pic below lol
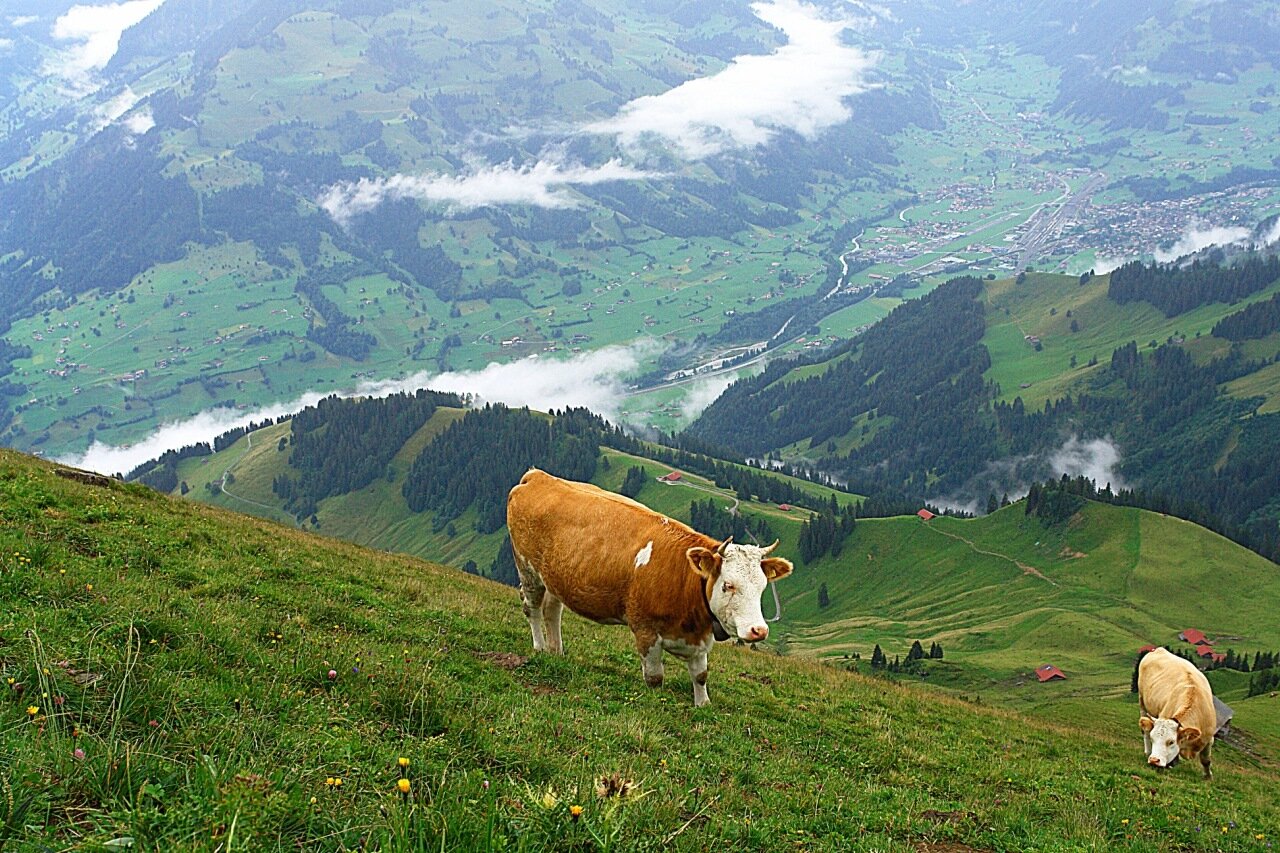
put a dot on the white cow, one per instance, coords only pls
(1178, 716)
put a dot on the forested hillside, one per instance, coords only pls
(911, 405)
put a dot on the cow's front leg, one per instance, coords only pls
(1204, 762)
(1146, 744)
(649, 645)
(698, 675)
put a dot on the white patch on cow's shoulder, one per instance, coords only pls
(643, 555)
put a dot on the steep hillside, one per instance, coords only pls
(1005, 593)
(166, 679)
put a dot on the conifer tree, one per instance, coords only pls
(877, 657)
(824, 598)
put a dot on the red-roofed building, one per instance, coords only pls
(1147, 648)
(785, 507)
(1049, 672)
(925, 514)
(1204, 650)
(1194, 637)
(1219, 657)
(673, 477)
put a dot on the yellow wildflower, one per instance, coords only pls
(575, 812)
(32, 710)
(403, 785)
(402, 761)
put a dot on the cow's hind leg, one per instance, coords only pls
(649, 645)
(552, 607)
(533, 593)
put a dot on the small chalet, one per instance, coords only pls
(1204, 650)
(1219, 657)
(925, 514)
(1194, 637)
(785, 507)
(1147, 648)
(1049, 672)
(673, 477)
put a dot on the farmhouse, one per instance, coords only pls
(1147, 648)
(925, 514)
(1204, 650)
(1049, 672)
(1194, 637)
(673, 477)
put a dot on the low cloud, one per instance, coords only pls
(112, 109)
(23, 20)
(1102, 266)
(543, 184)
(6, 45)
(703, 393)
(93, 34)
(1272, 236)
(1097, 459)
(594, 380)
(800, 87)
(1198, 237)
(206, 426)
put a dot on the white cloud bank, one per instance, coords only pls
(544, 184)
(800, 87)
(1096, 459)
(1197, 237)
(593, 380)
(94, 35)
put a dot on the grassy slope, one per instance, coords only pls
(1113, 579)
(1015, 310)
(213, 723)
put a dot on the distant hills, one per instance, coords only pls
(969, 392)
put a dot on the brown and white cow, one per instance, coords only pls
(617, 562)
(1178, 716)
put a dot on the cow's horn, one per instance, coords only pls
(768, 550)
(723, 545)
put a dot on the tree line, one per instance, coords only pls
(1178, 289)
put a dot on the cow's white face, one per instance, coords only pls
(1167, 739)
(737, 576)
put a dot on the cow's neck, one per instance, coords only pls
(717, 630)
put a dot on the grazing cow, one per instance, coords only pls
(1178, 716)
(618, 562)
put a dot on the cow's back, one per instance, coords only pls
(1167, 684)
(588, 545)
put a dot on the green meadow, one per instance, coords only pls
(177, 677)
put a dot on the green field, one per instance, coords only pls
(1046, 306)
(165, 679)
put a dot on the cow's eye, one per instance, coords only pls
(728, 587)
(1168, 743)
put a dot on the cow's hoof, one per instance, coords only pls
(653, 680)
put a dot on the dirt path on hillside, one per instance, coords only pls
(1026, 570)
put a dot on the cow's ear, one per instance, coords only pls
(1188, 734)
(776, 568)
(704, 561)
(1146, 723)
